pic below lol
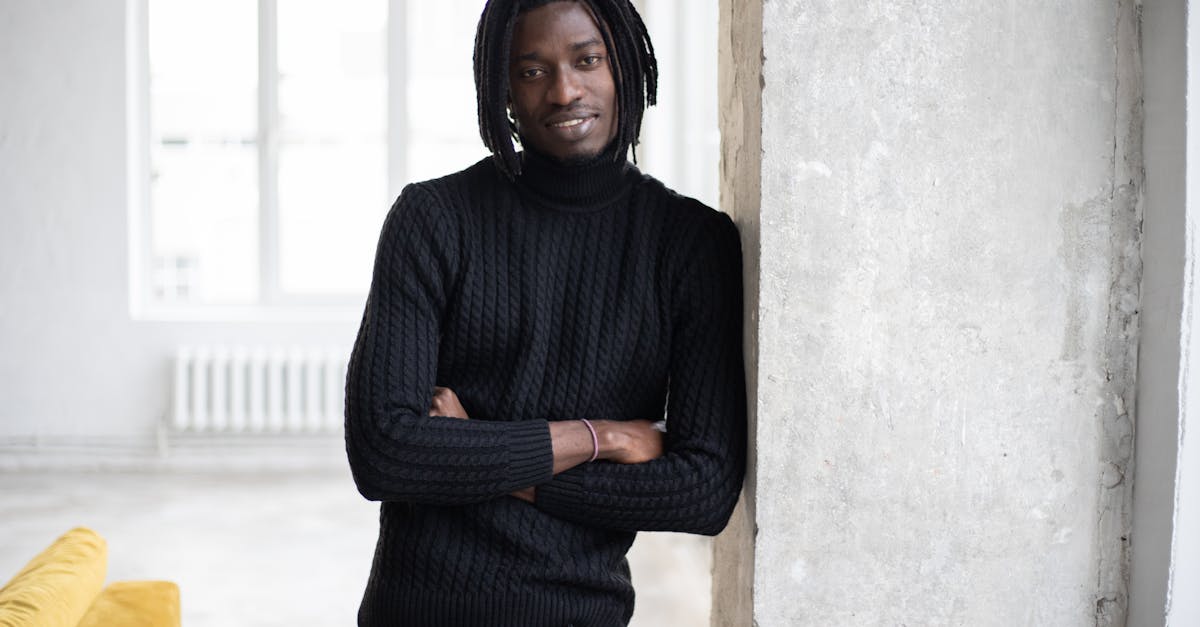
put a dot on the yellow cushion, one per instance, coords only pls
(135, 604)
(56, 587)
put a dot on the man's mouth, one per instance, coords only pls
(569, 123)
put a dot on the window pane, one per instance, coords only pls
(443, 130)
(681, 140)
(333, 143)
(204, 173)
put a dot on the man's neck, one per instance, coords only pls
(584, 184)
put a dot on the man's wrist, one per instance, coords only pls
(611, 438)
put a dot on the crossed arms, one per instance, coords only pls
(623, 442)
(406, 443)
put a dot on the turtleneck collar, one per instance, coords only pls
(592, 185)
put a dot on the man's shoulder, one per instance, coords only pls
(450, 197)
(681, 208)
(479, 176)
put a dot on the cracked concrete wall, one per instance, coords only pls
(947, 258)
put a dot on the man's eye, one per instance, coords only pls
(591, 59)
(530, 72)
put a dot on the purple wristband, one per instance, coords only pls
(595, 440)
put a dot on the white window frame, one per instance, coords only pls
(273, 302)
(660, 137)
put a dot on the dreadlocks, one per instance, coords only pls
(634, 68)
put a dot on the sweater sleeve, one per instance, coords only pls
(694, 486)
(396, 450)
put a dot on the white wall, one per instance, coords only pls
(1184, 603)
(1166, 542)
(74, 365)
(1164, 253)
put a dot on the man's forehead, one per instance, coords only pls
(563, 23)
(532, 55)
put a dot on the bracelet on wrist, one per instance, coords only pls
(595, 440)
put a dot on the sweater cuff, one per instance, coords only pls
(530, 453)
(562, 493)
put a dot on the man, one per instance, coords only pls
(529, 319)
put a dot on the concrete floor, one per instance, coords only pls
(260, 549)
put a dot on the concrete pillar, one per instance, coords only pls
(940, 206)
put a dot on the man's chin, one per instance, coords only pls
(577, 156)
(581, 158)
(582, 153)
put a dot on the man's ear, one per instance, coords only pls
(512, 119)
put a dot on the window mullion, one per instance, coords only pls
(268, 152)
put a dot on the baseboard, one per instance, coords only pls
(185, 452)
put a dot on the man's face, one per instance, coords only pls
(561, 82)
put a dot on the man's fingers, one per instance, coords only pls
(444, 394)
(437, 403)
(446, 403)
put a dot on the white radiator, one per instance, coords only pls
(239, 389)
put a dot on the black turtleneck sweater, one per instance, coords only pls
(588, 291)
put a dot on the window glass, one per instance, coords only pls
(681, 141)
(203, 153)
(443, 131)
(325, 157)
(332, 143)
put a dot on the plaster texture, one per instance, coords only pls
(948, 269)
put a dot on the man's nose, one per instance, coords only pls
(567, 87)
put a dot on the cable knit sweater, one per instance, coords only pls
(587, 291)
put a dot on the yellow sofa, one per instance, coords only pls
(63, 586)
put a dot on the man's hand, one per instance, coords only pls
(620, 441)
(445, 403)
(527, 494)
(629, 441)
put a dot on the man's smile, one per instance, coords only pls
(572, 127)
(567, 123)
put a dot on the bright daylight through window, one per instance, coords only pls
(268, 149)
(280, 131)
